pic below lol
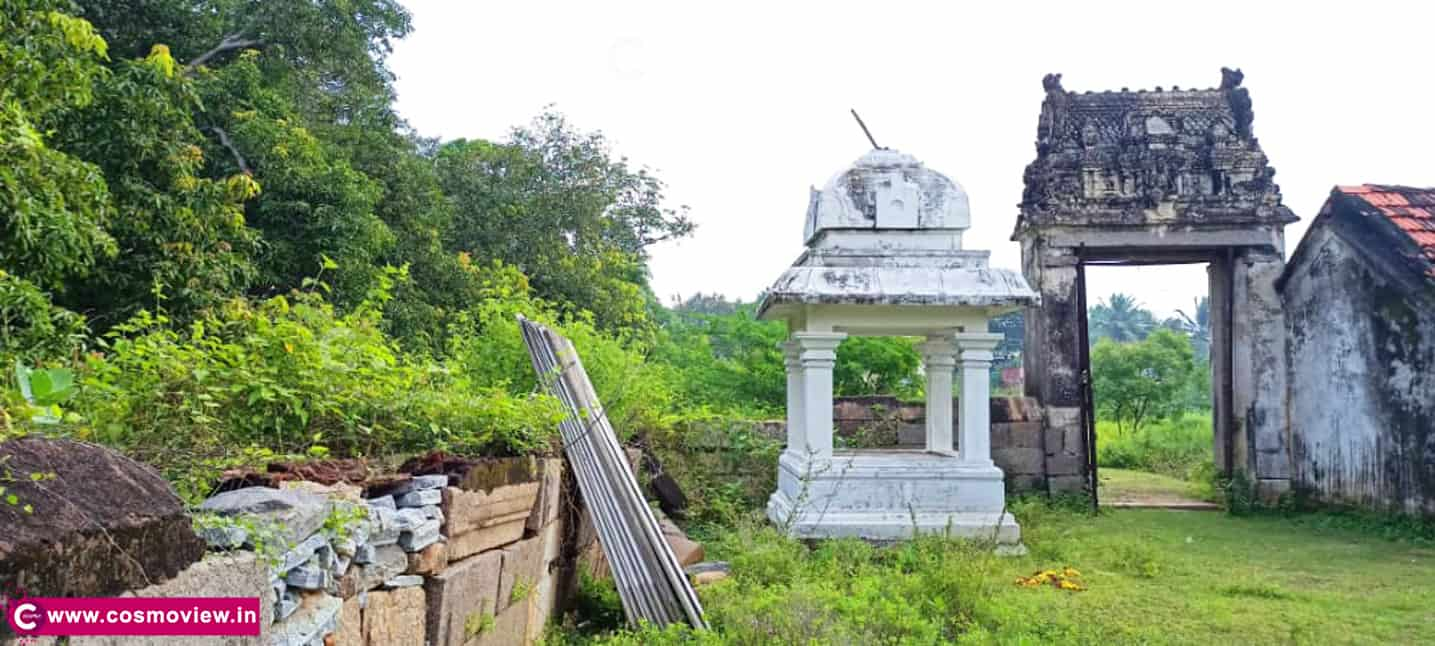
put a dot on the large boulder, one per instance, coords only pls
(101, 524)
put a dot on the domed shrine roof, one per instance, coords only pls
(888, 231)
(886, 189)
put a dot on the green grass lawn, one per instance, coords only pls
(1151, 577)
(1199, 578)
(1124, 485)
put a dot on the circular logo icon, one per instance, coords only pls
(25, 616)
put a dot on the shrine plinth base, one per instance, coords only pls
(891, 495)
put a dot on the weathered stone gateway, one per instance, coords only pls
(1321, 371)
(1157, 177)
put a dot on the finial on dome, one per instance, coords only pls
(865, 130)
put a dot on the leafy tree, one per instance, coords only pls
(32, 328)
(553, 202)
(1135, 383)
(730, 363)
(880, 365)
(714, 303)
(328, 56)
(183, 237)
(53, 206)
(1120, 319)
(316, 209)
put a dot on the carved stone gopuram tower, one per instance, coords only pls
(1157, 177)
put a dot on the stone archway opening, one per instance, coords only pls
(1156, 177)
(1128, 443)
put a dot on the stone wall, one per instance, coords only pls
(1361, 379)
(469, 557)
(1017, 443)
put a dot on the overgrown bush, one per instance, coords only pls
(286, 376)
(1179, 447)
(926, 591)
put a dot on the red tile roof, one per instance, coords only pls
(1411, 210)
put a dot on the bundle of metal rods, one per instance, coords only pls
(650, 580)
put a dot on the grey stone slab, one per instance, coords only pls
(307, 577)
(364, 554)
(410, 517)
(404, 581)
(386, 528)
(383, 502)
(301, 553)
(421, 483)
(296, 513)
(224, 538)
(315, 619)
(285, 607)
(389, 561)
(420, 498)
(421, 536)
(328, 560)
(344, 546)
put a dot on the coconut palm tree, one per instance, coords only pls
(1196, 325)
(1121, 318)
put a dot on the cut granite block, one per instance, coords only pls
(523, 566)
(421, 536)
(318, 617)
(404, 581)
(435, 512)
(301, 553)
(345, 546)
(430, 560)
(395, 618)
(386, 527)
(550, 490)
(383, 502)
(420, 498)
(467, 588)
(487, 538)
(295, 513)
(326, 557)
(411, 517)
(389, 562)
(102, 523)
(285, 606)
(421, 483)
(351, 623)
(309, 577)
(224, 538)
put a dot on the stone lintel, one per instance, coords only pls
(1159, 236)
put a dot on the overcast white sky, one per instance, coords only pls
(740, 107)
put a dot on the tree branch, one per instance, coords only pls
(225, 141)
(230, 43)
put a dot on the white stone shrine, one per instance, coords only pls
(884, 257)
